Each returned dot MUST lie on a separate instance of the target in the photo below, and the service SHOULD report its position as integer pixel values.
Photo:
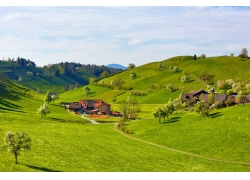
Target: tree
(202, 108)
(159, 113)
(43, 110)
(104, 74)
(20, 79)
(170, 87)
(163, 112)
(87, 90)
(248, 87)
(131, 66)
(174, 69)
(133, 75)
(169, 109)
(244, 53)
(160, 66)
(17, 142)
(114, 99)
(47, 98)
(229, 101)
(241, 97)
(124, 106)
(185, 78)
(54, 97)
(211, 98)
(232, 55)
(195, 57)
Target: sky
(104, 35)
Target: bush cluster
(137, 92)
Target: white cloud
(103, 35)
(133, 42)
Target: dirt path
(92, 121)
(115, 127)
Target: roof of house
(75, 106)
(220, 97)
(199, 92)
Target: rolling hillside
(187, 142)
(154, 81)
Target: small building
(75, 107)
(95, 106)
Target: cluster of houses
(90, 107)
(217, 97)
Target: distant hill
(117, 66)
(56, 77)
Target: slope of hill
(43, 79)
(65, 142)
(154, 81)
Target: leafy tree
(54, 97)
(87, 90)
(174, 69)
(244, 53)
(222, 85)
(163, 112)
(202, 108)
(43, 110)
(211, 98)
(124, 106)
(229, 101)
(241, 97)
(92, 80)
(104, 74)
(131, 66)
(202, 56)
(185, 78)
(133, 102)
(232, 55)
(159, 113)
(20, 79)
(207, 78)
(17, 142)
(133, 75)
(160, 66)
(178, 104)
(47, 98)
(170, 87)
(170, 108)
(248, 87)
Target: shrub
(137, 92)
(218, 105)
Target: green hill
(63, 141)
(153, 81)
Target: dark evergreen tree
(195, 57)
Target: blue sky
(121, 34)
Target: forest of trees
(66, 68)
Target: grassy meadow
(65, 142)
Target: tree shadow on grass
(172, 120)
(215, 115)
(42, 168)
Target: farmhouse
(96, 106)
(193, 97)
(75, 107)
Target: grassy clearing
(224, 135)
(70, 147)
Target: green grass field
(65, 142)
